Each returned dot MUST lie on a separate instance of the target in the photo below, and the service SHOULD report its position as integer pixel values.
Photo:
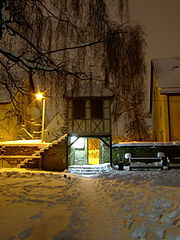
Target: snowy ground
(118, 205)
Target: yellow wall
(159, 114)
(166, 125)
(174, 109)
(16, 113)
(8, 122)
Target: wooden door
(93, 151)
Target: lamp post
(40, 97)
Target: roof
(89, 89)
(168, 74)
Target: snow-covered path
(95, 214)
(117, 205)
(128, 206)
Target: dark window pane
(79, 109)
(96, 109)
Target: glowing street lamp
(40, 97)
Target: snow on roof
(89, 89)
(168, 74)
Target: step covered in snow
(89, 169)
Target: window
(79, 109)
(96, 109)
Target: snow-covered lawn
(118, 205)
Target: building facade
(165, 99)
(89, 126)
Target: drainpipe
(169, 118)
(111, 163)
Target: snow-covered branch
(27, 62)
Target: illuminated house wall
(21, 117)
(165, 99)
(16, 114)
(174, 112)
(160, 114)
(8, 122)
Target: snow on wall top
(145, 144)
(168, 74)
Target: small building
(88, 138)
(89, 125)
(165, 99)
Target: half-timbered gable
(89, 125)
(89, 113)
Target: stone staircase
(89, 170)
(30, 163)
(12, 153)
(35, 162)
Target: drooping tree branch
(23, 37)
(67, 21)
(77, 40)
(23, 91)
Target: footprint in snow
(66, 176)
(38, 215)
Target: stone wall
(55, 158)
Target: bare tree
(75, 40)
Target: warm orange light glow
(39, 96)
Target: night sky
(161, 21)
